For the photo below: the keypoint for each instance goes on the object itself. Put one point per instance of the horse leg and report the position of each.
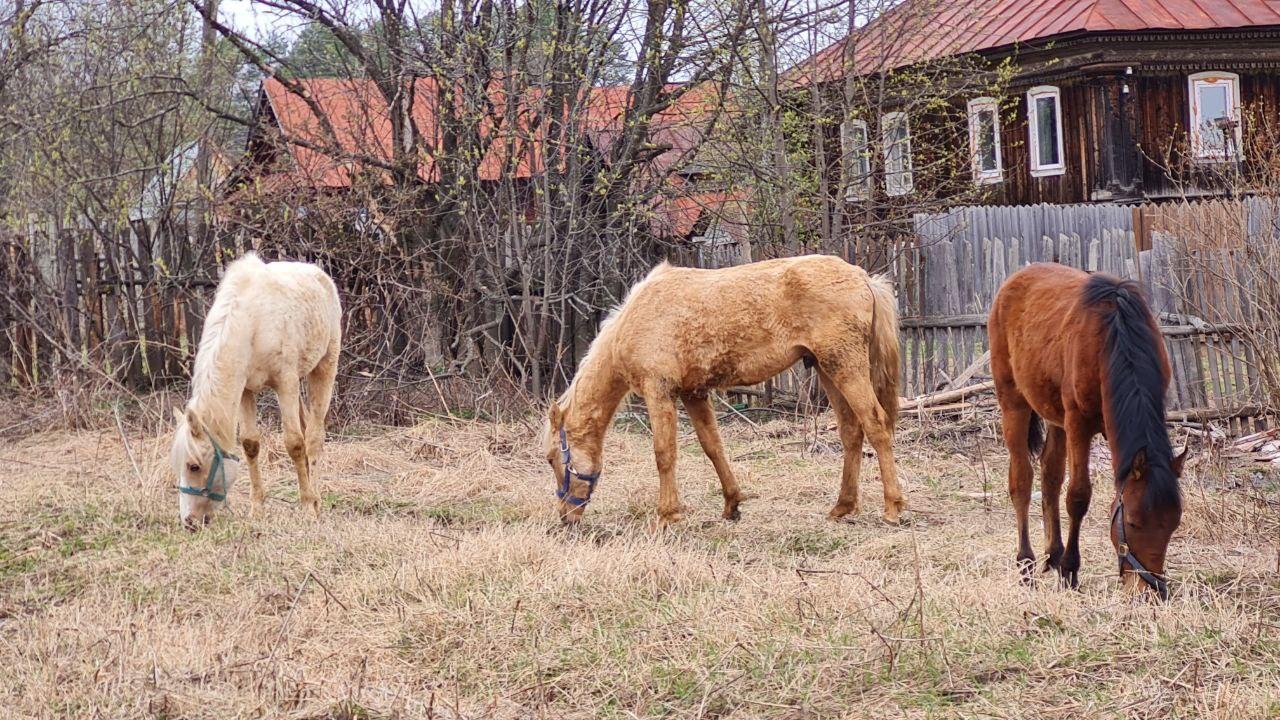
(861, 397)
(1015, 417)
(1053, 464)
(295, 442)
(1079, 492)
(851, 441)
(662, 418)
(251, 441)
(698, 406)
(319, 395)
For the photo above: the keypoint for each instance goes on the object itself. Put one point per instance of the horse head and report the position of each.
(575, 459)
(205, 471)
(1144, 514)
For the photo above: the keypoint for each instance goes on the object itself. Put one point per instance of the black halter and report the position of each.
(562, 492)
(1126, 557)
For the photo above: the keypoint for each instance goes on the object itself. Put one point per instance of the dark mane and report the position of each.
(1135, 385)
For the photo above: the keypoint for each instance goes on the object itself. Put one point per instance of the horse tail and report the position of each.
(884, 345)
(1035, 435)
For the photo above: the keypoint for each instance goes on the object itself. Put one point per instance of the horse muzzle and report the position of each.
(195, 521)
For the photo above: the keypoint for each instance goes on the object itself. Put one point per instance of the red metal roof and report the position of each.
(680, 215)
(360, 122)
(920, 30)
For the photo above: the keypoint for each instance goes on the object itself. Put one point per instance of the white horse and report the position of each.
(271, 325)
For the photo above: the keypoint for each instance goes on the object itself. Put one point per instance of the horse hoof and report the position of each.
(1052, 561)
(842, 512)
(670, 519)
(1027, 567)
(732, 514)
(1072, 579)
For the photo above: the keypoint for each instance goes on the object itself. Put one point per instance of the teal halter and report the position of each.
(216, 470)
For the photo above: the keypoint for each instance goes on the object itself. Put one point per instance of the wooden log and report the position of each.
(967, 374)
(946, 396)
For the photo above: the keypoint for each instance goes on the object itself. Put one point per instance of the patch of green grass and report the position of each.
(348, 710)
(814, 543)
(14, 565)
(931, 700)
(676, 682)
(370, 505)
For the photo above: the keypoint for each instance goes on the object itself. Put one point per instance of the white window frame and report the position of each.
(1033, 131)
(856, 154)
(1209, 78)
(976, 107)
(901, 181)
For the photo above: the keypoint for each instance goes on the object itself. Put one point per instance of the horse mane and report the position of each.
(604, 338)
(217, 325)
(1135, 381)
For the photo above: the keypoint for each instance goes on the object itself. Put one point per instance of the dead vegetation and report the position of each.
(438, 586)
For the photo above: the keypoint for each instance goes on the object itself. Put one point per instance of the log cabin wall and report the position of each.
(1125, 113)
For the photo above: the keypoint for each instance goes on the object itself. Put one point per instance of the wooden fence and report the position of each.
(128, 301)
(132, 301)
(948, 279)
(127, 305)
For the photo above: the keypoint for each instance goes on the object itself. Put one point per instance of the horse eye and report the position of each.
(193, 468)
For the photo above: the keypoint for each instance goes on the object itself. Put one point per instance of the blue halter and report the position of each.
(218, 470)
(562, 492)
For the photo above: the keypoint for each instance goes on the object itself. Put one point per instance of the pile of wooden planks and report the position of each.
(1260, 447)
(957, 395)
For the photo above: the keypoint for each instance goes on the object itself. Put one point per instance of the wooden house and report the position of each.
(1105, 100)
(322, 136)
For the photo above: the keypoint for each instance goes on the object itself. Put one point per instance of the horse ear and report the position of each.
(194, 426)
(1180, 460)
(555, 414)
(1139, 464)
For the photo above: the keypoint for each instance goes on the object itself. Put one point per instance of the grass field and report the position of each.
(437, 585)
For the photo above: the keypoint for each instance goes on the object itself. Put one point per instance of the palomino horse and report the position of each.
(682, 332)
(270, 326)
(1084, 352)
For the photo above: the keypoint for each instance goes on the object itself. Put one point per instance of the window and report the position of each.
(1215, 116)
(984, 140)
(895, 136)
(856, 149)
(1044, 123)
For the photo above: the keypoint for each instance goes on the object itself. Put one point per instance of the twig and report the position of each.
(30, 463)
(284, 625)
(735, 411)
(115, 409)
(328, 592)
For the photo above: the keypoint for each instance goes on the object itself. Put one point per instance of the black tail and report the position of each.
(1035, 436)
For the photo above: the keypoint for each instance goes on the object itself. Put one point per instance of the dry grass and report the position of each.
(436, 586)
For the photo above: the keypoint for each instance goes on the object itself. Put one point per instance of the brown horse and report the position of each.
(1084, 352)
(682, 332)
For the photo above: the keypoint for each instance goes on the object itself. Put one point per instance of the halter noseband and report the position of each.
(1126, 557)
(562, 491)
(217, 469)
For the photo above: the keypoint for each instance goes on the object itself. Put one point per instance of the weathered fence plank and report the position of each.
(965, 255)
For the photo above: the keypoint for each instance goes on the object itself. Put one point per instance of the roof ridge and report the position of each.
(1094, 14)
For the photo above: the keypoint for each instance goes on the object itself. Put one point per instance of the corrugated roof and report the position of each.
(920, 30)
(360, 122)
